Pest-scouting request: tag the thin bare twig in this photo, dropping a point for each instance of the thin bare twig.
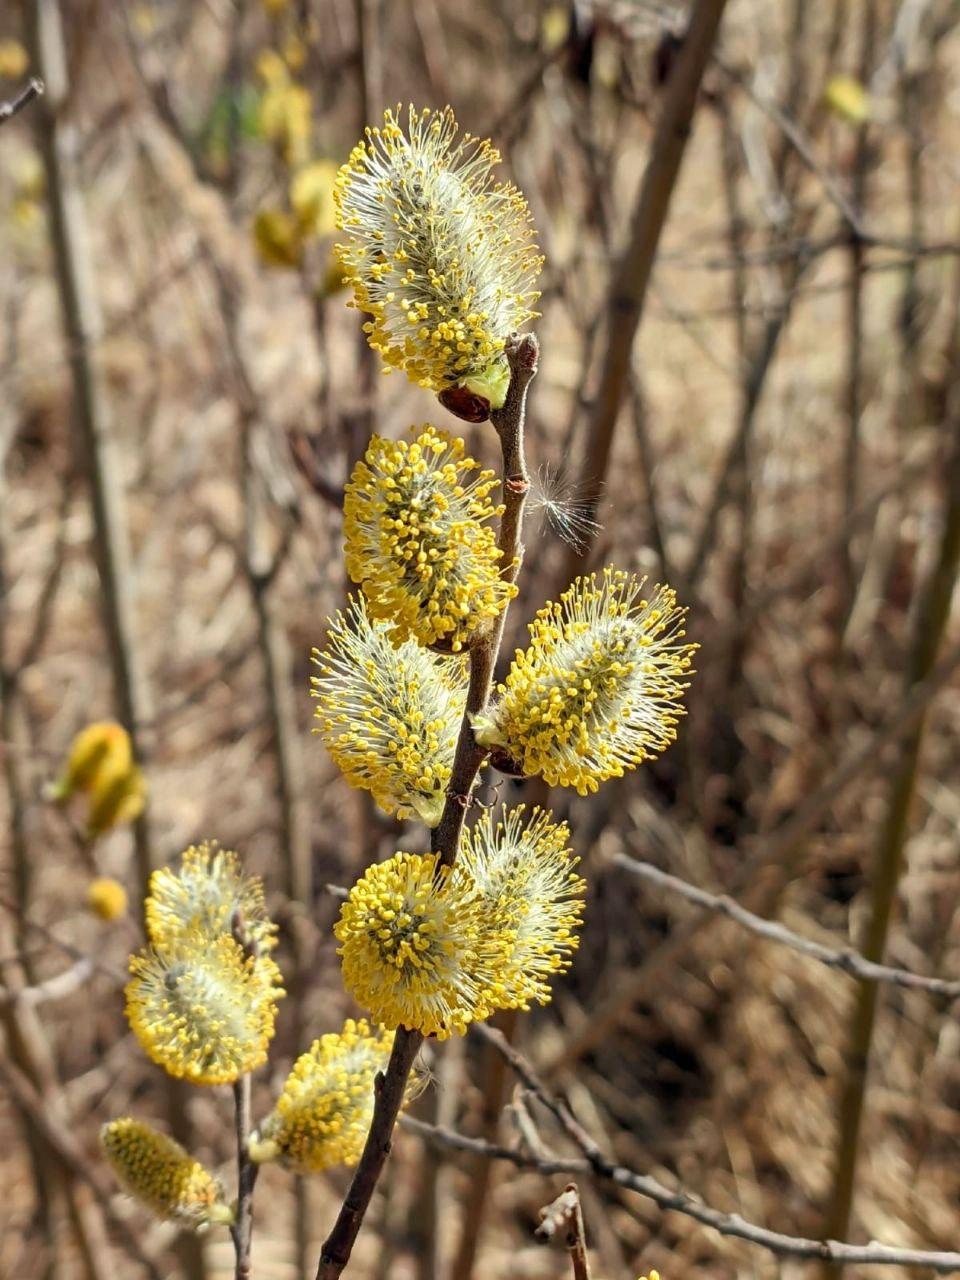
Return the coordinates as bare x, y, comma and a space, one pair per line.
843, 958
33, 89
493, 1086
565, 1216
680, 1201
81, 323
247, 1171
775, 855
55, 988
930, 624
677, 1199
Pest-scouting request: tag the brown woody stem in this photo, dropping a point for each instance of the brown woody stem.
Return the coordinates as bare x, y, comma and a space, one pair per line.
523, 354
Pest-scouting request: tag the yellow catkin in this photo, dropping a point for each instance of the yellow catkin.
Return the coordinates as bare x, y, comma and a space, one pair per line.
162, 1176
417, 543
285, 111
13, 60
117, 796
323, 1113
107, 898
100, 748
389, 714
439, 254
527, 875
201, 1008
210, 893
311, 197
598, 689
420, 949
278, 238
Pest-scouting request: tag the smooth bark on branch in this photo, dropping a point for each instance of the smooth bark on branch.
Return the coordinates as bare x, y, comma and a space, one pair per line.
247, 1171
523, 355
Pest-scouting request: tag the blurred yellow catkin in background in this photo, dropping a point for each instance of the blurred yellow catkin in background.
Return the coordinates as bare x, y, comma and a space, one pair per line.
847, 98
107, 898
100, 766
13, 60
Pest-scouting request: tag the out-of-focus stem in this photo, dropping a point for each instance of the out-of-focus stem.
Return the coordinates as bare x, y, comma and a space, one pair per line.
95, 444
929, 624
368, 17
260, 568
855, 322
494, 1087
631, 275
435, 1195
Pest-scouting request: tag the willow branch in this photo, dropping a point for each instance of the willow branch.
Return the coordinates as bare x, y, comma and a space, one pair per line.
768, 867
680, 1201
95, 444
930, 625
523, 355
33, 89
564, 1217
843, 958
242, 1229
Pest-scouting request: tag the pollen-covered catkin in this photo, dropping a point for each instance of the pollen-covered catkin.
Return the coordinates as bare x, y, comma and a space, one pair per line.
324, 1110
420, 949
201, 1008
209, 892
598, 690
388, 714
162, 1176
418, 543
527, 875
440, 255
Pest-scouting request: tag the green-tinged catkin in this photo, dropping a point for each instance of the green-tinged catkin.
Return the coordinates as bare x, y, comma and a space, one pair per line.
439, 254
162, 1176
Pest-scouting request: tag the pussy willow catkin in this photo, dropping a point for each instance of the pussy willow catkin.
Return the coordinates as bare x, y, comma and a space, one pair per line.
201, 1008
389, 714
526, 873
420, 949
598, 690
323, 1112
439, 253
162, 1176
418, 539
209, 892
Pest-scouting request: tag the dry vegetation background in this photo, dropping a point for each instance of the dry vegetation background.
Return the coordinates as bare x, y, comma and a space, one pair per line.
782, 457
